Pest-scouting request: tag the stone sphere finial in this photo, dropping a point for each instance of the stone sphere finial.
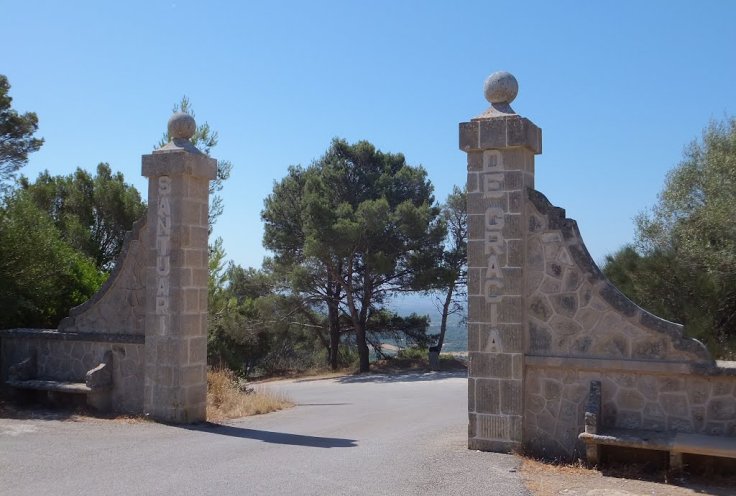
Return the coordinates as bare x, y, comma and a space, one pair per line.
501, 87
182, 126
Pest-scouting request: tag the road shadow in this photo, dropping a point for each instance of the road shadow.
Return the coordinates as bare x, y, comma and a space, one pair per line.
401, 377
272, 437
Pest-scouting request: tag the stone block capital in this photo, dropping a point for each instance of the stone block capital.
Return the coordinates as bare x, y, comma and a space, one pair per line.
179, 162
497, 133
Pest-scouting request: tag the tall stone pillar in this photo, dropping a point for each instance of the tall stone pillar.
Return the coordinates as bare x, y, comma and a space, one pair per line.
501, 146
176, 285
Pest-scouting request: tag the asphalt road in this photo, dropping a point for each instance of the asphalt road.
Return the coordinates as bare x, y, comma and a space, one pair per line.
365, 435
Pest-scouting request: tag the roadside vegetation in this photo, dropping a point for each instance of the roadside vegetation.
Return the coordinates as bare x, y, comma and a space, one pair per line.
229, 397
682, 265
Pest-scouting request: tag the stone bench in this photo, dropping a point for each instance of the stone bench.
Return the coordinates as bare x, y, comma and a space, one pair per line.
96, 385
676, 443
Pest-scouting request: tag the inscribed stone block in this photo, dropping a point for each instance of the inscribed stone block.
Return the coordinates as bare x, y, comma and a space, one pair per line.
506, 338
493, 426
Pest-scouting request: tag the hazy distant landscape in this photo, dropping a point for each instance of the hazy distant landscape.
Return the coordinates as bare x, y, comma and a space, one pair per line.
456, 338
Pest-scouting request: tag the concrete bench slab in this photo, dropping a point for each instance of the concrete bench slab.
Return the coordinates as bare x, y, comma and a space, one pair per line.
50, 385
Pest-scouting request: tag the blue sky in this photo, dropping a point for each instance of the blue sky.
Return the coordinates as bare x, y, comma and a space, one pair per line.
619, 88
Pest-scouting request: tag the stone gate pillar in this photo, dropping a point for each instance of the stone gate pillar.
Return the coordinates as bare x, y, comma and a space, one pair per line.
501, 146
176, 283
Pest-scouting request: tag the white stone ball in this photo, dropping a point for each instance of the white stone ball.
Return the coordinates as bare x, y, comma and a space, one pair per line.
501, 87
182, 126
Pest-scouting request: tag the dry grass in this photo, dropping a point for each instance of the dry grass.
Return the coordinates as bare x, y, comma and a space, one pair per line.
228, 398
544, 478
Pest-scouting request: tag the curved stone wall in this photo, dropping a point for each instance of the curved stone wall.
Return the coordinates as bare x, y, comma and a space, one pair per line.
119, 306
575, 311
581, 328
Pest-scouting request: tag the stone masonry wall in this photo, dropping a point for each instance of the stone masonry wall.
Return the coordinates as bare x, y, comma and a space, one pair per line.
581, 328
70, 359
119, 306
665, 400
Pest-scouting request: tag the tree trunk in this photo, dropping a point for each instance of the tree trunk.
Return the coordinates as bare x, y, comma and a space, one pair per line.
334, 318
363, 352
334, 290
445, 313
358, 319
365, 301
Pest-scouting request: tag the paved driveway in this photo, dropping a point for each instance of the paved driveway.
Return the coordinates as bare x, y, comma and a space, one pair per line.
365, 435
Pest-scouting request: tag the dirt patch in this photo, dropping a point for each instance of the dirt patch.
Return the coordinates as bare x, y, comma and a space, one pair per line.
550, 479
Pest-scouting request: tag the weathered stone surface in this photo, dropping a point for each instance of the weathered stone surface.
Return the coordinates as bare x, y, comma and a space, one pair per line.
552, 389
628, 420
550, 286
588, 318
722, 388
535, 403
564, 326
554, 270
675, 404
581, 345
487, 365
540, 339
721, 408
539, 308
502, 338
611, 346
649, 349
511, 397
629, 399
572, 281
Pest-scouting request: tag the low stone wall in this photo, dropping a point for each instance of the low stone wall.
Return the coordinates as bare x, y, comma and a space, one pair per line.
65, 356
112, 320
581, 328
